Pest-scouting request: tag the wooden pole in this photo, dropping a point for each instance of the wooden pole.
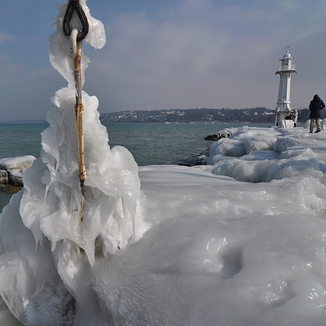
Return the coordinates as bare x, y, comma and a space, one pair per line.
77, 37
79, 122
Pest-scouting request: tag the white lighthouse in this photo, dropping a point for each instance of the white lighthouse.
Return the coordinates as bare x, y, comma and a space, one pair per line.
283, 108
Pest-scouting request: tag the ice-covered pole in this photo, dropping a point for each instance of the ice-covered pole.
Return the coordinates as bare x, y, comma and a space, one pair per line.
113, 201
77, 37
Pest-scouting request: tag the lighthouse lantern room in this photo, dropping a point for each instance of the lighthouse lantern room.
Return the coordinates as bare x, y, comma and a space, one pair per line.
283, 110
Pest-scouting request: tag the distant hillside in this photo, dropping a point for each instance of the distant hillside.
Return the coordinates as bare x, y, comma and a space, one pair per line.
25, 121
203, 115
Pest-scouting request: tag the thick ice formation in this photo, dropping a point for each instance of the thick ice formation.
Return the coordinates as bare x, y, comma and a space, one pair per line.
222, 252
46, 248
254, 156
113, 196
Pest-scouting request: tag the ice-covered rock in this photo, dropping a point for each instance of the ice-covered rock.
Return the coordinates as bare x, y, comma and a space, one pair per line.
4, 177
16, 177
19, 162
12, 169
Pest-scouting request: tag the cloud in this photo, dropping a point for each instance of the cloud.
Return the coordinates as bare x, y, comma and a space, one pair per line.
199, 53
5, 37
285, 7
195, 7
179, 62
10, 72
41, 74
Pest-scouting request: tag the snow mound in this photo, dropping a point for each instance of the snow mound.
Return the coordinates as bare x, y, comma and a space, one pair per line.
265, 154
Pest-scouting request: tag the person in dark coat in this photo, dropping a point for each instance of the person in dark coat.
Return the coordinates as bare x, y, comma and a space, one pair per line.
315, 107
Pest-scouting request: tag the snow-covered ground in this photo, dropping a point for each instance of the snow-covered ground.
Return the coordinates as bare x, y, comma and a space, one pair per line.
228, 252
241, 241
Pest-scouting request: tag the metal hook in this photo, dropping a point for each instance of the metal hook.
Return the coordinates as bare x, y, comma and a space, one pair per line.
74, 5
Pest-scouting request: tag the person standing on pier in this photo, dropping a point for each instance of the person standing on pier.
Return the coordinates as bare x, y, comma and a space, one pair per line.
315, 107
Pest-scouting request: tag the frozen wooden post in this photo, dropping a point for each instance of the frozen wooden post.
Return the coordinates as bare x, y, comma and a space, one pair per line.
76, 39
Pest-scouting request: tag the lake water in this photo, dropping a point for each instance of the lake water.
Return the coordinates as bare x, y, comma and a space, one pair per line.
149, 143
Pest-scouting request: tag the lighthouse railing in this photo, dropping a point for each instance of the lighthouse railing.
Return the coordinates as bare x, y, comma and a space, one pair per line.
286, 68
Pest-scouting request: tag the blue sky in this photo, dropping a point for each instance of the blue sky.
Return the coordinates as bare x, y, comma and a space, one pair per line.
168, 54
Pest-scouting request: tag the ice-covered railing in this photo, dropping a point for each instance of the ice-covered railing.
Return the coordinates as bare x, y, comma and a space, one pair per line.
46, 250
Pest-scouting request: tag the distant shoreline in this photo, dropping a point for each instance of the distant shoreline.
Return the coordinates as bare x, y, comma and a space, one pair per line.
203, 115
24, 121
141, 122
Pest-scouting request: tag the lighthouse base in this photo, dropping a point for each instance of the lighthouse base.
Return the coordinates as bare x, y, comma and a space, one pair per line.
286, 118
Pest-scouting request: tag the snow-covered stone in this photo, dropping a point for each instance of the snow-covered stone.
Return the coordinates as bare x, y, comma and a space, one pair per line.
15, 177
19, 162
4, 177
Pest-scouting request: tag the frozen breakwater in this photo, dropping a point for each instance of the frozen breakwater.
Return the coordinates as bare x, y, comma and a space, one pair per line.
12, 169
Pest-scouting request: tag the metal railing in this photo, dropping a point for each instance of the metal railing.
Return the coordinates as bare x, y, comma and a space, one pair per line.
286, 68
